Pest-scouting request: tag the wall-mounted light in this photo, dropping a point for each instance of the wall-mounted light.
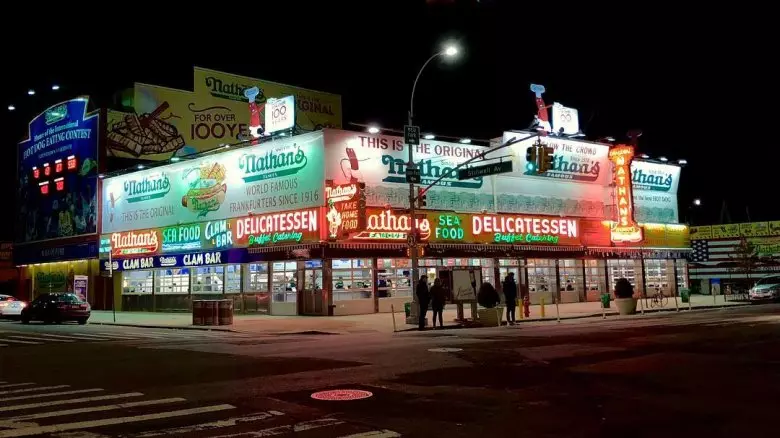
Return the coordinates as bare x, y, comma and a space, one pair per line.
11, 107
373, 130
31, 92
140, 166
664, 159
645, 156
55, 87
429, 136
682, 162
465, 140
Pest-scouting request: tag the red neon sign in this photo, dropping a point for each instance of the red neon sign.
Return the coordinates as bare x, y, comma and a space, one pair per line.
135, 243
387, 225
625, 229
346, 208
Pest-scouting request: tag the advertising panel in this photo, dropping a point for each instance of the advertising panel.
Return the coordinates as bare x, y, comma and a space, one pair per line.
279, 114
175, 260
169, 122
346, 206
380, 162
280, 175
655, 191
57, 171
702, 232
666, 236
727, 231
625, 228
316, 109
249, 231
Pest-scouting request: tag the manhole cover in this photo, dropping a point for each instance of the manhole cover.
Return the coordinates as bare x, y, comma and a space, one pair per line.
341, 395
444, 350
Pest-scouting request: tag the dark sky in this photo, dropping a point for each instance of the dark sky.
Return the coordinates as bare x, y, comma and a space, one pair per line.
699, 87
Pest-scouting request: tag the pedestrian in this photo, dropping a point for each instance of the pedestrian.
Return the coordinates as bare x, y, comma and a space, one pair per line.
438, 297
423, 299
510, 294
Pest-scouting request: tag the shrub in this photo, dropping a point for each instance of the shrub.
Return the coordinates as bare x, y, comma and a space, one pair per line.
487, 296
623, 288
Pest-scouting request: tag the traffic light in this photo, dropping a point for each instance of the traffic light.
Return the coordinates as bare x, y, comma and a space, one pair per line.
546, 160
422, 196
530, 158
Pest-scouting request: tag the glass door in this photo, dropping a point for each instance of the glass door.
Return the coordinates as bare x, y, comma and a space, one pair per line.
312, 294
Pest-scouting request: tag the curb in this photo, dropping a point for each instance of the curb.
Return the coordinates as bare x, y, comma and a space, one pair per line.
594, 315
168, 327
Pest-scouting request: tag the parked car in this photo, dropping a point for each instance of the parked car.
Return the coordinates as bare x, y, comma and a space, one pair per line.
765, 289
57, 307
10, 307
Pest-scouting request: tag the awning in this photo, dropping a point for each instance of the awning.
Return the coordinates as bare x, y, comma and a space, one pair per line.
633, 252
281, 248
366, 245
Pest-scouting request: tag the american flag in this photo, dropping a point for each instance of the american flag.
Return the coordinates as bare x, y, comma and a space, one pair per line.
720, 259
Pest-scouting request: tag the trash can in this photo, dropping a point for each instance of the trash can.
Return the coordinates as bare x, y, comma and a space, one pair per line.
605, 300
197, 312
408, 309
210, 312
685, 295
225, 312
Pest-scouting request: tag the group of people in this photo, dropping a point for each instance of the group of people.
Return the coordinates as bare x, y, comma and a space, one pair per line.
436, 297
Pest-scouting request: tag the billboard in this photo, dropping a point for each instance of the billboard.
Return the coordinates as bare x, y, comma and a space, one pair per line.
655, 191
280, 175
57, 173
315, 109
380, 162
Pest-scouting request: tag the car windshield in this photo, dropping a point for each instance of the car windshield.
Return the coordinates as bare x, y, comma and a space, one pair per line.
6, 298
768, 281
68, 298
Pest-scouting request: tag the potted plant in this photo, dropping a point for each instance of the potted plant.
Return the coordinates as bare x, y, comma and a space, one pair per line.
488, 298
624, 297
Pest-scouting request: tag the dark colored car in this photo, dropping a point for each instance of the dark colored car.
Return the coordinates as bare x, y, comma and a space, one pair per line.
57, 307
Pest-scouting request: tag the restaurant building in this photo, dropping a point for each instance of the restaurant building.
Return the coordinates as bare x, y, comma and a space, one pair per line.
317, 224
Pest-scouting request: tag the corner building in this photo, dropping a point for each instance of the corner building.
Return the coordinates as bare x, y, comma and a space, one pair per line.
317, 224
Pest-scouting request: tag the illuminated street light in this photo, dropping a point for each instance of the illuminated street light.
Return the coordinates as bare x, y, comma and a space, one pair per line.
664, 159
373, 130
55, 87
140, 166
645, 156
31, 92
465, 140
697, 202
429, 136
11, 107
682, 162
451, 51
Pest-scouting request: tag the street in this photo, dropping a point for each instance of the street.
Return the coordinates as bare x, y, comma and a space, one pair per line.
702, 373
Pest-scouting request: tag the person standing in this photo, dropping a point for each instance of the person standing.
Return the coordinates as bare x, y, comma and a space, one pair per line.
438, 297
510, 294
423, 299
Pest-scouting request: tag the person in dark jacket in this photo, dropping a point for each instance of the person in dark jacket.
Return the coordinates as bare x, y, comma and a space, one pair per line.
510, 294
438, 297
423, 299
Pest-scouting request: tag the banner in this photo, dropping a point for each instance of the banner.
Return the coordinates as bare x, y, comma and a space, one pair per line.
702, 232
316, 109
57, 170
279, 175
728, 231
175, 260
655, 191
666, 236
380, 162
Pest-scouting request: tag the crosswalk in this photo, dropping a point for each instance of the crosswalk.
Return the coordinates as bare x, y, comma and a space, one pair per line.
28, 409
10, 336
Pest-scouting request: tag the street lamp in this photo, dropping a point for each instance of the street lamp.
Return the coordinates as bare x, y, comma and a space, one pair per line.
11, 107
31, 92
697, 202
373, 130
449, 51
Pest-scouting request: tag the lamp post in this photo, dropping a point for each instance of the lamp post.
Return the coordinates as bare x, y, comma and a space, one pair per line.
449, 51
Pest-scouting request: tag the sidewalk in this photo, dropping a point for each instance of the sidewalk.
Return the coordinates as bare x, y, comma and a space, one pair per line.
377, 322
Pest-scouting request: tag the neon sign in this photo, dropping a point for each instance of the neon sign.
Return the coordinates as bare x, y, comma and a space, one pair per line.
523, 229
625, 229
386, 225
277, 227
133, 243
181, 238
219, 233
449, 227
346, 206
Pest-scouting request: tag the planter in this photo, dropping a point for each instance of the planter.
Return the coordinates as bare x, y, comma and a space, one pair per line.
626, 306
490, 317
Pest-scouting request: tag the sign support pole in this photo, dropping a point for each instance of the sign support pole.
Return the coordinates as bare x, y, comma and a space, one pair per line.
111, 276
412, 240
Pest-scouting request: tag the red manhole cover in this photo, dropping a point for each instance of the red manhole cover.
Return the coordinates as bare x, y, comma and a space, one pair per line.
341, 395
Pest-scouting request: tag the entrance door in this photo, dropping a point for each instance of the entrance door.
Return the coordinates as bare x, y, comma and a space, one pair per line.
312, 296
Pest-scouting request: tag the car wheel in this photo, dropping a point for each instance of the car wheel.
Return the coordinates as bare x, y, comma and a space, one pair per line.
82, 321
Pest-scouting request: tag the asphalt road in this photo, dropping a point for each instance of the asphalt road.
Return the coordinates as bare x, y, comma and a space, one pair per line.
708, 373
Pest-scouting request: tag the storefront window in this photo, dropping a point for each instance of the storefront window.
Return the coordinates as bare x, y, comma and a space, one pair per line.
258, 277
284, 282
172, 281
622, 269
394, 278
137, 282
208, 280
682, 274
657, 276
351, 279
570, 271
233, 279
595, 278
541, 275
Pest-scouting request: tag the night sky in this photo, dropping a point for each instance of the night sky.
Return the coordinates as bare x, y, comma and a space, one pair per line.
698, 87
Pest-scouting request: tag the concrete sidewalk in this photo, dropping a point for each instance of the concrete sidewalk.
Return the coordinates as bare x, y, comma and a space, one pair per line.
377, 322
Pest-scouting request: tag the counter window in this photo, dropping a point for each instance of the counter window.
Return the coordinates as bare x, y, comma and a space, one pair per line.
284, 282
595, 278
658, 276
682, 274
622, 268
173, 281
570, 271
233, 279
137, 282
394, 278
541, 275
208, 280
352, 279
258, 277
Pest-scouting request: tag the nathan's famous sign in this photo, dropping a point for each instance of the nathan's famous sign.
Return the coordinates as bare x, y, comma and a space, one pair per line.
278, 176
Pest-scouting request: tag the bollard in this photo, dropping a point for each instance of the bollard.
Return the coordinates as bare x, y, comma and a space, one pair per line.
541, 309
689, 302
520, 307
557, 312
641, 306
603, 311
714, 299
675, 303
392, 311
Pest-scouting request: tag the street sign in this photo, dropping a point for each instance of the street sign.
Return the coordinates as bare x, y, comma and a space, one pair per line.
489, 169
412, 135
413, 175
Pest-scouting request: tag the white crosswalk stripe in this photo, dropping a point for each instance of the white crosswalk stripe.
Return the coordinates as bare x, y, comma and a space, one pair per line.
19, 338
68, 401
50, 394
15, 385
38, 338
15, 341
230, 422
96, 409
39, 388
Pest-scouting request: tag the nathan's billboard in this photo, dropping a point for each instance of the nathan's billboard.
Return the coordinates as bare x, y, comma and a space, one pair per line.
380, 162
315, 109
275, 176
655, 191
57, 171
